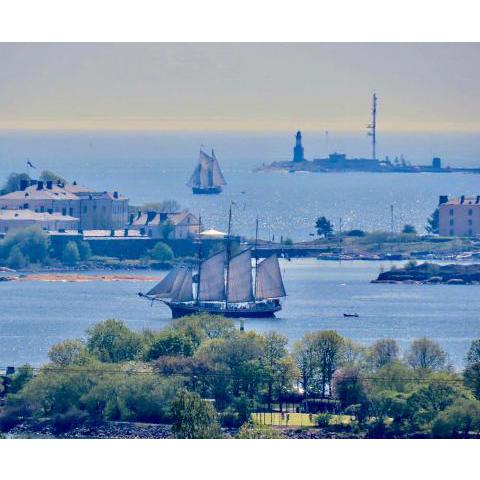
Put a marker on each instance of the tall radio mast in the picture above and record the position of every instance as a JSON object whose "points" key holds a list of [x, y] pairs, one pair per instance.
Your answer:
{"points": [[372, 127]]}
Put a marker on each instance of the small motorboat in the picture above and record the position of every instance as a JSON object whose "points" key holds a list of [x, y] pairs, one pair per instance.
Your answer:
{"points": [[356, 315]]}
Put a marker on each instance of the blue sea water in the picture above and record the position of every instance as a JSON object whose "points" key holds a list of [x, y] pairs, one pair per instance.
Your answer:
{"points": [[155, 166], [35, 315]]}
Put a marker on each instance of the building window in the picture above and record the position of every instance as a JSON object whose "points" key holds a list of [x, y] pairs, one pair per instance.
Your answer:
{"points": [[470, 233], [104, 209], [470, 221], [71, 212], [470, 212], [451, 223], [451, 233], [42, 209], [85, 209], [451, 211]]}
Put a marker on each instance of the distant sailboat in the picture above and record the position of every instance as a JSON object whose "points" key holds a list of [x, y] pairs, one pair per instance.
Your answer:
{"points": [[207, 177], [224, 285]]}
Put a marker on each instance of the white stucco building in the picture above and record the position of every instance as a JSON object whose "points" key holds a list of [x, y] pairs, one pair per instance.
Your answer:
{"points": [[95, 210], [11, 220]]}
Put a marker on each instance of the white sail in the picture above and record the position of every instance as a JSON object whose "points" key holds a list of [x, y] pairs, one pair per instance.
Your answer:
{"points": [[184, 291], [269, 282], [207, 173], [163, 288], [212, 279], [195, 178], [240, 278], [218, 178]]}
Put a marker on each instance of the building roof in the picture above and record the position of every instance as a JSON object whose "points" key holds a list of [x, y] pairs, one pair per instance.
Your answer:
{"points": [[26, 214], [33, 193], [159, 218], [464, 200], [69, 191]]}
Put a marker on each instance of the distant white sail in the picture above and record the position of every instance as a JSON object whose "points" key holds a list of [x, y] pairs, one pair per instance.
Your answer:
{"points": [[184, 291], [240, 278], [218, 178], [212, 279], [269, 282], [207, 173], [163, 288]]}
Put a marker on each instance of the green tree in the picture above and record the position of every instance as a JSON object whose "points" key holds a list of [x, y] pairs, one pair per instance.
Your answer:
{"points": [[458, 420], [383, 352], [329, 345], [349, 387], [66, 353], [48, 175], [433, 222], [111, 341], [409, 229], [70, 254], [275, 352], [167, 229], [194, 417], [161, 252], [471, 378], [427, 355], [323, 226], [84, 251], [16, 259], [13, 181], [426, 402], [473, 354], [33, 243], [169, 342]]}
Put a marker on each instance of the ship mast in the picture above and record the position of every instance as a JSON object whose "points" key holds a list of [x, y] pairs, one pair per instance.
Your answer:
{"points": [[372, 127], [229, 254], [256, 258], [199, 253]]}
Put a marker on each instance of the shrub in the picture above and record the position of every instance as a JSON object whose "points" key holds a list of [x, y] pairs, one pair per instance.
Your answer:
{"points": [[64, 422], [16, 259], [322, 420], [409, 229], [458, 420], [251, 431], [84, 251], [161, 252], [66, 353], [32, 242], [12, 416], [70, 254], [356, 233]]}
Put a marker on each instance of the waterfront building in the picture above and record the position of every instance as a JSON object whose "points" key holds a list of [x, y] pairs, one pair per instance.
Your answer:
{"points": [[298, 155], [93, 209], [15, 219], [171, 225], [459, 217]]}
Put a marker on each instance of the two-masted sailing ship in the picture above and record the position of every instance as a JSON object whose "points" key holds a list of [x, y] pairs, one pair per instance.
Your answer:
{"points": [[207, 178], [223, 284]]}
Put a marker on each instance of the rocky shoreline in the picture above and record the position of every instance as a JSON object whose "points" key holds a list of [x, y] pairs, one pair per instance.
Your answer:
{"points": [[431, 274]]}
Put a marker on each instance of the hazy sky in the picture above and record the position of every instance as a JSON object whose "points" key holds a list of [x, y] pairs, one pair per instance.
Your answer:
{"points": [[421, 87]]}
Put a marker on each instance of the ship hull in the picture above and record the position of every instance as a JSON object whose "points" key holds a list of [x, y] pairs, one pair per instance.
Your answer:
{"points": [[182, 310], [206, 190]]}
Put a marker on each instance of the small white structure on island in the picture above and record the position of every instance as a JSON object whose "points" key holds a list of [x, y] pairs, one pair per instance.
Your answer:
{"points": [[17, 219]]}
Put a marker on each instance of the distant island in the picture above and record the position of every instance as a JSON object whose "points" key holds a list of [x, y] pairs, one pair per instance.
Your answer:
{"points": [[339, 162]]}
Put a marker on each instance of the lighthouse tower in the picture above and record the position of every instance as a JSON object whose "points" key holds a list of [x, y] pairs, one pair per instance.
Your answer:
{"points": [[298, 149]]}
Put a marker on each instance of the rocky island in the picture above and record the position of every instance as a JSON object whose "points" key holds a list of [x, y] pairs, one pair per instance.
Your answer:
{"points": [[431, 273]]}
